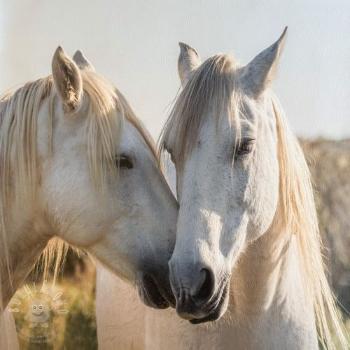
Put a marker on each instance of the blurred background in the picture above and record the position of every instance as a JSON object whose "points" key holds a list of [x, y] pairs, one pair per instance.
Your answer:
{"points": [[134, 44]]}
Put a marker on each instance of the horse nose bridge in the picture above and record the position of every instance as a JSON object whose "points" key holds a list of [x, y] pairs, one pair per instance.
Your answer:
{"points": [[198, 228]]}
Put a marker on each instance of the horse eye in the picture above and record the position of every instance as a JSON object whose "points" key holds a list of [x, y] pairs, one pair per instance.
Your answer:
{"points": [[124, 162], [246, 146], [171, 155]]}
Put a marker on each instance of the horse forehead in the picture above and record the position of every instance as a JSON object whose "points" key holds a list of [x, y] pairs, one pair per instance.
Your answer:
{"points": [[132, 140], [250, 110], [254, 115], [130, 137], [224, 127], [257, 109]]}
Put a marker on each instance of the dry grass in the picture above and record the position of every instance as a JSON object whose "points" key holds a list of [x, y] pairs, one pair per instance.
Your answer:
{"points": [[71, 311], [66, 319]]}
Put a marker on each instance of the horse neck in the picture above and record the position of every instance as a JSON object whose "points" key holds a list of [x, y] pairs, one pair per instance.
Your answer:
{"points": [[267, 295], [27, 234]]}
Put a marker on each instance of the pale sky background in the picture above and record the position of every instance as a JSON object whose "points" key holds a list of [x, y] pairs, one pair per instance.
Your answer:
{"points": [[134, 44]]}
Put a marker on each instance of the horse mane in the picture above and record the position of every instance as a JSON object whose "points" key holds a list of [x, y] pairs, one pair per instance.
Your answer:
{"points": [[299, 216], [211, 88], [107, 110]]}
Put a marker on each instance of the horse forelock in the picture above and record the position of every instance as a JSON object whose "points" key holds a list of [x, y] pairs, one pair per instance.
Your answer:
{"points": [[211, 88]]}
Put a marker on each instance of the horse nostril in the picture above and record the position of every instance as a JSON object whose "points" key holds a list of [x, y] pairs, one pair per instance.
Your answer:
{"points": [[206, 289]]}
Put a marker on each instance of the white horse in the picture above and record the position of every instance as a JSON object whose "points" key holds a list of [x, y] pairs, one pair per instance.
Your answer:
{"points": [[77, 164], [247, 233]]}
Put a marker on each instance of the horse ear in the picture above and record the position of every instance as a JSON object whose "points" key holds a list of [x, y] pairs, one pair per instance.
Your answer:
{"points": [[67, 80], [257, 75], [187, 63], [82, 62]]}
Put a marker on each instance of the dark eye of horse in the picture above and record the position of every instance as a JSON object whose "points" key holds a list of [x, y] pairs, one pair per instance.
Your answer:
{"points": [[124, 162], [245, 147], [170, 153], [172, 156]]}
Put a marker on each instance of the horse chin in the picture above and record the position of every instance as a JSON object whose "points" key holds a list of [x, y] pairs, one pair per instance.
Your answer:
{"points": [[218, 311], [152, 295]]}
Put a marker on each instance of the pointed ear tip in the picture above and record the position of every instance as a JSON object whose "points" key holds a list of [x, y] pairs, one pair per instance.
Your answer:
{"points": [[78, 55], [285, 30], [59, 49], [183, 46], [186, 47], [59, 52]]}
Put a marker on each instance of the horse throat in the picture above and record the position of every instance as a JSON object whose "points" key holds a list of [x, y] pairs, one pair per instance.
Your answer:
{"points": [[267, 295], [26, 239]]}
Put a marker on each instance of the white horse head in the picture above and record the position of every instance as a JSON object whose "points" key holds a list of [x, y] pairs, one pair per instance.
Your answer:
{"points": [[223, 139], [242, 182], [76, 163]]}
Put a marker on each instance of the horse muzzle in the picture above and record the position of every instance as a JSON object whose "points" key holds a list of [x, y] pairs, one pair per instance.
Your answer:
{"points": [[153, 293], [203, 306]]}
